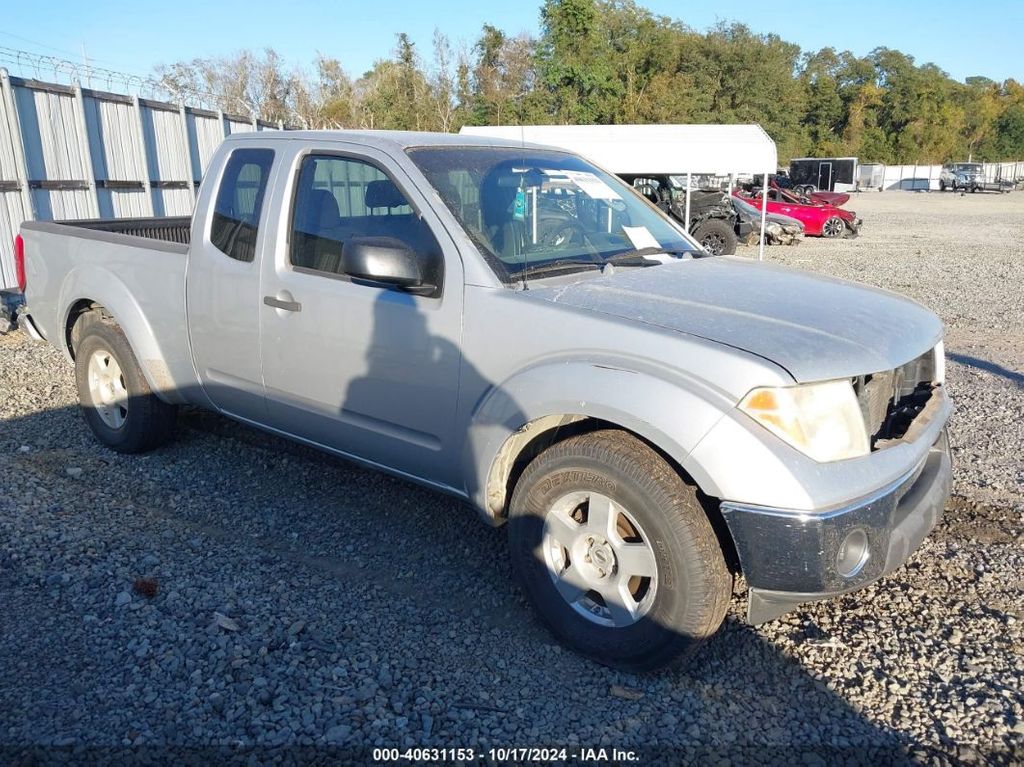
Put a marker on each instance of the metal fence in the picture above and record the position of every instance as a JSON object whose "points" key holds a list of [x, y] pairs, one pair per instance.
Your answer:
{"points": [[69, 152], [875, 176]]}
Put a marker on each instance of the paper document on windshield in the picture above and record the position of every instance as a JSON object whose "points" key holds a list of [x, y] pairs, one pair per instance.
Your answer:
{"points": [[641, 237], [588, 183]]}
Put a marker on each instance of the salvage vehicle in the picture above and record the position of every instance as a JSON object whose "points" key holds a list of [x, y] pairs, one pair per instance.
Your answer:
{"points": [[513, 326], [819, 219], [806, 193], [778, 229], [713, 222]]}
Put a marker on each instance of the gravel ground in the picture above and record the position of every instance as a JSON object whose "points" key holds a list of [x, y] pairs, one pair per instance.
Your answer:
{"points": [[297, 600]]}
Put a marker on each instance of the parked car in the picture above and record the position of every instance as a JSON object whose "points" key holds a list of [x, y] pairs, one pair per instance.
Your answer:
{"points": [[961, 175], [778, 230], [713, 222], [819, 219], [515, 327], [970, 177]]}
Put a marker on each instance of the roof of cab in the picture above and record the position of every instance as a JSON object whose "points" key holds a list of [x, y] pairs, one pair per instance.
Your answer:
{"points": [[384, 138]]}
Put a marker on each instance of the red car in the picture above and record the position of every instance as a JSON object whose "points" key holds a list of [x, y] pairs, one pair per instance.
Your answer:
{"points": [[831, 198], [805, 193], [819, 219]]}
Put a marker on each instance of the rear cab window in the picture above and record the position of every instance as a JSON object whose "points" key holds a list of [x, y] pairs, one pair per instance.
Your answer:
{"points": [[239, 203]]}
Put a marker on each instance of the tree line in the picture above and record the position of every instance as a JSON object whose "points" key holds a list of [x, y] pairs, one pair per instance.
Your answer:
{"points": [[613, 61]]}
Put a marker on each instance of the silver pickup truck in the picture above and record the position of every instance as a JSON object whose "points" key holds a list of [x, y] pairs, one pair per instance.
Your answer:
{"points": [[517, 327]]}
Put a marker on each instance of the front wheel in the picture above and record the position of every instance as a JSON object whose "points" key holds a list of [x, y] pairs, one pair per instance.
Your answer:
{"points": [[833, 227], [114, 395], [616, 552], [716, 236]]}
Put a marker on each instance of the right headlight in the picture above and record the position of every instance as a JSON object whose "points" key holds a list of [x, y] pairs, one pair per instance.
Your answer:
{"points": [[821, 420]]}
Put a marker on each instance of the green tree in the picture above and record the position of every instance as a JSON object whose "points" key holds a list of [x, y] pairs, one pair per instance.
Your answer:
{"points": [[749, 78], [1009, 143], [614, 61], [503, 80], [575, 63]]}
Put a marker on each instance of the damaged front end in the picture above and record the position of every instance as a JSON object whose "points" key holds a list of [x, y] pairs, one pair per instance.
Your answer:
{"points": [[779, 229], [776, 233]]}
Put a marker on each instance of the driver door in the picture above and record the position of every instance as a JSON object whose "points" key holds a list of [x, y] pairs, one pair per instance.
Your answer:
{"points": [[365, 370]]}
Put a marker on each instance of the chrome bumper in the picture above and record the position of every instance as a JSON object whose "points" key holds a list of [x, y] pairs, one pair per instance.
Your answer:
{"points": [[26, 324], [789, 557]]}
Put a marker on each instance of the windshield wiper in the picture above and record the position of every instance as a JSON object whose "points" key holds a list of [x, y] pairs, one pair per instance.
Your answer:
{"points": [[564, 265], [638, 257], [625, 258]]}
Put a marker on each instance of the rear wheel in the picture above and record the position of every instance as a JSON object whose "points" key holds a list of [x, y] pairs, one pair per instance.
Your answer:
{"points": [[942, 185], [113, 393], [616, 552], [833, 227], [716, 236]]}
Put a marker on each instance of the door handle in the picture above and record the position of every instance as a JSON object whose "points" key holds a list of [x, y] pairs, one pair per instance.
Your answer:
{"points": [[277, 303]]}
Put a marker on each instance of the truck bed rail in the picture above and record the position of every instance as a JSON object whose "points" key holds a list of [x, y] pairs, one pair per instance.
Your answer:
{"points": [[165, 228]]}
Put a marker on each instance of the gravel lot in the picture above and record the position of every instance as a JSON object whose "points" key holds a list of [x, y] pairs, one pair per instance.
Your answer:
{"points": [[302, 601]]}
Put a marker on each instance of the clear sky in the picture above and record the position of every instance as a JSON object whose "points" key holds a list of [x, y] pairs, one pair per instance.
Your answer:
{"points": [[964, 38]]}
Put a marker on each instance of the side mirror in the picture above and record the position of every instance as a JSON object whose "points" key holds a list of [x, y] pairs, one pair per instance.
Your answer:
{"points": [[388, 262]]}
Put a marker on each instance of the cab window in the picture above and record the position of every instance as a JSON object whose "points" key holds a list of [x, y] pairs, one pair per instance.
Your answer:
{"points": [[341, 198]]}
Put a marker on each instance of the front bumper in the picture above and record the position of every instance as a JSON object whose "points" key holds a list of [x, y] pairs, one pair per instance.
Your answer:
{"points": [[789, 557]]}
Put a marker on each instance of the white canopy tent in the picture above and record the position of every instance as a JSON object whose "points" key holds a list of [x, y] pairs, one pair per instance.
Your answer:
{"points": [[663, 149]]}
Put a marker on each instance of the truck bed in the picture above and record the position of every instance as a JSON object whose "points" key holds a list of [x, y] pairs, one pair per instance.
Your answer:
{"points": [[133, 267]]}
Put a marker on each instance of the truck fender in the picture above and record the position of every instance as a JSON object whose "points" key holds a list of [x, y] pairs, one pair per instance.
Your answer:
{"points": [[671, 417], [87, 282]]}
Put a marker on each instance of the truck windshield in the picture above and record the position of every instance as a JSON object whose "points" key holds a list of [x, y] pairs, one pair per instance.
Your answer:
{"points": [[540, 211]]}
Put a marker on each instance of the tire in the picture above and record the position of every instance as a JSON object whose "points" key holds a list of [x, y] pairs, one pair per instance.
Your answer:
{"points": [[556, 499], [114, 396], [942, 185], [833, 227], [716, 236]]}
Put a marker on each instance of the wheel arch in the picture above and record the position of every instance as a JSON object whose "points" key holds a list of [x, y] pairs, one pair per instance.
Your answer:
{"points": [[119, 306], [520, 448], [531, 412]]}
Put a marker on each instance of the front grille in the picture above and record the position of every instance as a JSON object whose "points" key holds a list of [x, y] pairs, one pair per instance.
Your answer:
{"points": [[892, 399]]}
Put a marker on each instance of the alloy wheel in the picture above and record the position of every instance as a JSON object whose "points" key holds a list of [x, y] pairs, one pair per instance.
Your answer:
{"points": [[600, 560]]}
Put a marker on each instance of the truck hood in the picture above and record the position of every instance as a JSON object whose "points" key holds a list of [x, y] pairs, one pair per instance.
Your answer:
{"points": [[815, 327]]}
